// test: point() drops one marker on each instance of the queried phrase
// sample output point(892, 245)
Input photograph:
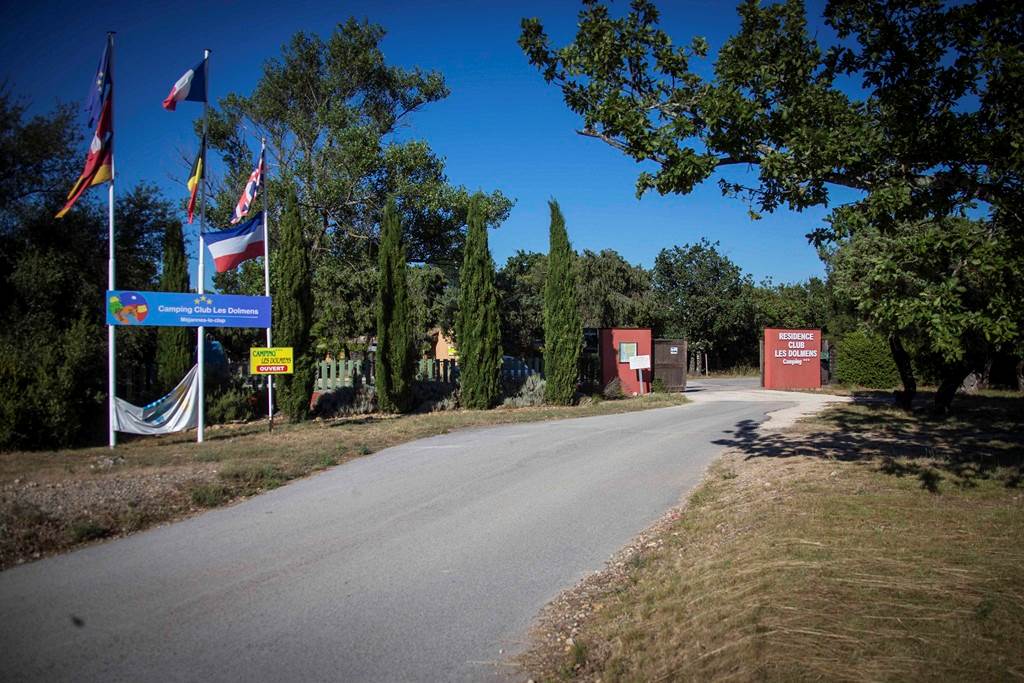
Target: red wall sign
point(618, 345)
point(792, 359)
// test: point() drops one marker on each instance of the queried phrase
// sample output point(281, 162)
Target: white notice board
point(640, 363)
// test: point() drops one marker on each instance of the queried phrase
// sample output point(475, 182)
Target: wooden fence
point(333, 374)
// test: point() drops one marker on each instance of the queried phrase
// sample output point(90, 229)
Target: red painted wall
point(792, 359)
point(610, 365)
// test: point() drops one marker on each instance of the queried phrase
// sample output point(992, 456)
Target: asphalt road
point(423, 562)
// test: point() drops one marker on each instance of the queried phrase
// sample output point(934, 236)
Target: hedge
point(864, 359)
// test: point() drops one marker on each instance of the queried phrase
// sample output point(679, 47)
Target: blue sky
point(501, 128)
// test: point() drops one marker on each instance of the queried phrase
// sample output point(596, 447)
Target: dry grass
point(54, 500)
point(824, 554)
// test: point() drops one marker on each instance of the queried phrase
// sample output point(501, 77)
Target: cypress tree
point(563, 330)
point(174, 345)
point(395, 353)
point(478, 327)
point(293, 311)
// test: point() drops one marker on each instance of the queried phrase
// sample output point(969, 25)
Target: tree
point(429, 292)
point(53, 273)
point(613, 292)
point(931, 127)
point(478, 328)
point(947, 294)
point(563, 331)
point(520, 284)
point(331, 109)
point(395, 354)
point(174, 345)
point(293, 312)
point(776, 101)
point(702, 293)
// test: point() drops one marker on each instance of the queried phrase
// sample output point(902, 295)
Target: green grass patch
point(209, 495)
point(85, 530)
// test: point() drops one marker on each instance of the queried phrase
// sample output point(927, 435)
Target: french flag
point(234, 245)
point(191, 87)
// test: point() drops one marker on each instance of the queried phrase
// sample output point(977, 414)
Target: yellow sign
point(270, 361)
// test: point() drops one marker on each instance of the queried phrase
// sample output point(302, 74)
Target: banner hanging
point(174, 412)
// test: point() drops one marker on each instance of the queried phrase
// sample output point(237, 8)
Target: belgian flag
point(195, 178)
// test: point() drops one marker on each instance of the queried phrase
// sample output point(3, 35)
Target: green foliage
point(936, 124)
point(230, 401)
point(864, 359)
point(88, 529)
point(530, 394)
point(53, 343)
point(613, 292)
point(330, 108)
point(293, 312)
point(478, 328)
point(174, 345)
point(563, 331)
point(520, 285)
point(705, 299)
point(951, 289)
point(430, 296)
point(209, 495)
point(395, 354)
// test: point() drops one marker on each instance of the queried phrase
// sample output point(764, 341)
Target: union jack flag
point(252, 186)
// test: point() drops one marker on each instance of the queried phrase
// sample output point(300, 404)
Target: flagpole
point(201, 331)
point(266, 276)
point(111, 349)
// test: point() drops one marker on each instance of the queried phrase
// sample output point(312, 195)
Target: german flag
point(195, 178)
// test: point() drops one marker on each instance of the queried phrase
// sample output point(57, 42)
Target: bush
point(344, 401)
point(530, 394)
point(658, 386)
point(209, 495)
point(613, 389)
point(232, 401)
point(864, 359)
point(431, 397)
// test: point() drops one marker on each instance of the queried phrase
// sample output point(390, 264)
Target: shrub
point(88, 530)
point(232, 401)
point(613, 389)
point(343, 401)
point(432, 397)
point(864, 359)
point(530, 394)
point(658, 386)
point(209, 495)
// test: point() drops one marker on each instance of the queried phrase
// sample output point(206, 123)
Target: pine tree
point(563, 331)
point(174, 345)
point(478, 327)
point(293, 311)
point(395, 353)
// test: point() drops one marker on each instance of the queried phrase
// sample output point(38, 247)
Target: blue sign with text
point(174, 309)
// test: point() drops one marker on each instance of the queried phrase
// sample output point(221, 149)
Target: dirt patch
point(41, 518)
